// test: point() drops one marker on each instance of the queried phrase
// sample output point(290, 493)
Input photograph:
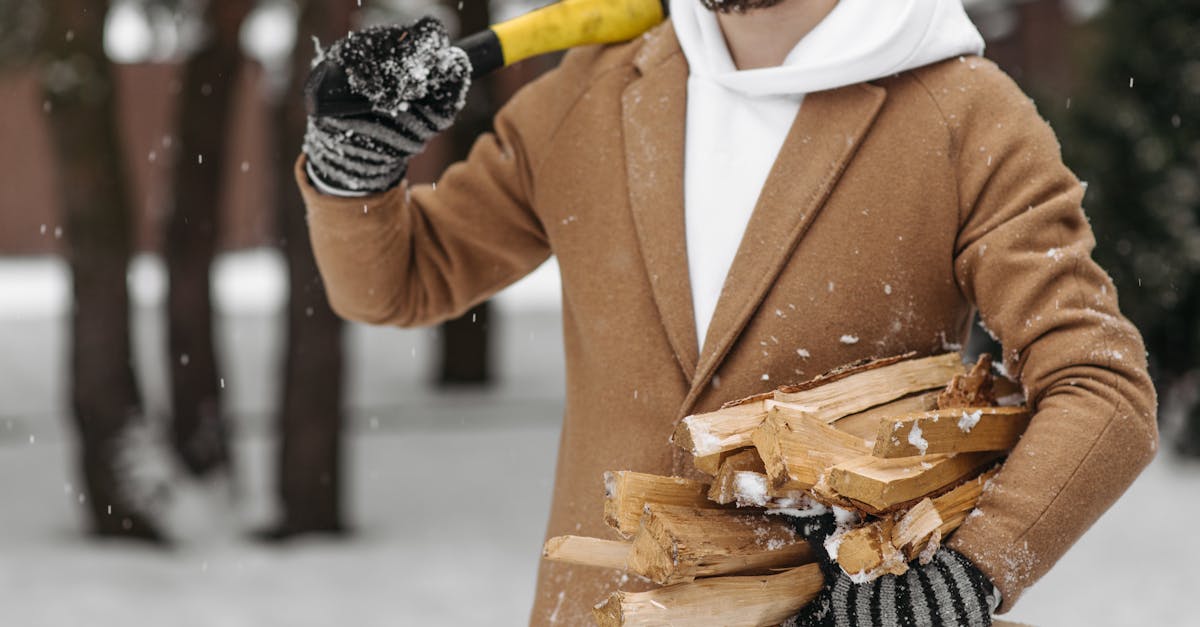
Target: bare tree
point(311, 418)
point(464, 351)
point(199, 430)
point(79, 92)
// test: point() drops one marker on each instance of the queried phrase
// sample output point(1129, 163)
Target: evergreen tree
point(1133, 133)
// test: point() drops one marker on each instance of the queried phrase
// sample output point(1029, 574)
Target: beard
point(737, 6)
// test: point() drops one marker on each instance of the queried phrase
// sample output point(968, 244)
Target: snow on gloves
point(416, 82)
point(949, 590)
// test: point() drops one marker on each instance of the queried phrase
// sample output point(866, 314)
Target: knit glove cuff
point(949, 590)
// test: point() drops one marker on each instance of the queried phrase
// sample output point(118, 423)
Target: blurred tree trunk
point(198, 429)
point(464, 342)
point(81, 100)
point(311, 417)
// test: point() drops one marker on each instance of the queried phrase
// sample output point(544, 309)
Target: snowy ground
point(438, 543)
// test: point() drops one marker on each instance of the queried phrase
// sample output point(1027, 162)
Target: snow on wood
point(723, 430)
point(744, 601)
point(957, 430)
point(626, 493)
point(677, 544)
point(827, 398)
point(725, 482)
point(587, 551)
point(883, 485)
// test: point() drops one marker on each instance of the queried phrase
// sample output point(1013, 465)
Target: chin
point(737, 6)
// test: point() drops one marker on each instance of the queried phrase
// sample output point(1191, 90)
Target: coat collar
point(823, 139)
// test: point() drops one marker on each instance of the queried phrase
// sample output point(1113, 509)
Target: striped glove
point(416, 82)
point(949, 591)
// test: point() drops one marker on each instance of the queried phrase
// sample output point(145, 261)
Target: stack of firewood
point(900, 449)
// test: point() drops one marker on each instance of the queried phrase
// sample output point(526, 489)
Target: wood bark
point(198, 428)
point(91, 175)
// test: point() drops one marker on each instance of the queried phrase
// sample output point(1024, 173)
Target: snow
point(750, 488)
point(51, 577)
point(968, 421)
point(704, 442)
point(849, 339)
point(916, 439)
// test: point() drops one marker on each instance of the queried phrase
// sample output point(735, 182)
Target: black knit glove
point(416, 83)
point(948, 591)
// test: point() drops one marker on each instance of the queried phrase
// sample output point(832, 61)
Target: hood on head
point(860, 40)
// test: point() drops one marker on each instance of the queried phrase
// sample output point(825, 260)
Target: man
point(752, 194)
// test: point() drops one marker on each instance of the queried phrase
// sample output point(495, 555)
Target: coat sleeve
point(416, 255)
point(1023, 257)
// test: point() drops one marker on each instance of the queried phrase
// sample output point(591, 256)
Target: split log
point(951, 431)
point(883, 485)
point(826, 398)
point(795, 458)
point(710, 464)
point(872, 385)
point(728, 601)
point(587, 551)
point(865, 424)
point(677, 544)
point(726, 429)
point(886, 547)
point(626, 493)
point(738, 466)
point(868, 552)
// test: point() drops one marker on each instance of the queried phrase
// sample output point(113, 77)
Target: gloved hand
point(416, 82)
point(948, 591)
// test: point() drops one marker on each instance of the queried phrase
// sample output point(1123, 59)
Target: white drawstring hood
point(737, 119)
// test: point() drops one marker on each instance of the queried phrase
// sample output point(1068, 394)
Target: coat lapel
point(655, 114)
point(824, 137)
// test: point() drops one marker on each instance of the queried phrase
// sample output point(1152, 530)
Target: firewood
point(973, 389)
point(711, 464)
point(677, 544)
point(868, 551)
point(826, 398)
point(626, 493)
point(951, 509)
point(726, 429)
point(870, 386)
point(587, 551)
point(951, 431)
point(796, 457)
point(882, 485)
point(865, 424)
point(886, 547)
point(723, 489)
point(756, 601)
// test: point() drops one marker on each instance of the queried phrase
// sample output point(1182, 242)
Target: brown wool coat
point(895, 209)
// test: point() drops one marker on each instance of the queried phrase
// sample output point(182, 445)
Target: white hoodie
point(737, 120)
